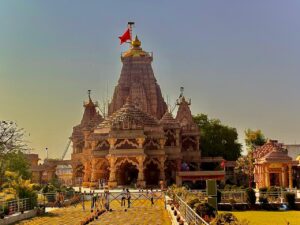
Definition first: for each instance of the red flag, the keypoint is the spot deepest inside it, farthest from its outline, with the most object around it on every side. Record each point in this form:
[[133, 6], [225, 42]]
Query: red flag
[[126, 36]]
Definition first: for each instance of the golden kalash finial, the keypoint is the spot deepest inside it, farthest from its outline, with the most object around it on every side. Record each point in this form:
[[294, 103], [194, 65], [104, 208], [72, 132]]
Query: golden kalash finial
[[136, 43]]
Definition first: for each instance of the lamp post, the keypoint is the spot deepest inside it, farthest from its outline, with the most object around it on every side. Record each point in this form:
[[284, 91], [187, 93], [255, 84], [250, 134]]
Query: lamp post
[[47, 153]]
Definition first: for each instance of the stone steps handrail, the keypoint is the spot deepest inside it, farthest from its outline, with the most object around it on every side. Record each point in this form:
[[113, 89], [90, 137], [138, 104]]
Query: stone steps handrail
[[189, 215]]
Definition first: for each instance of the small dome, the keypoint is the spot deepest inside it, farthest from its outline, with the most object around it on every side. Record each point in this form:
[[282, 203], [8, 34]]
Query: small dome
[[168, 121], [136, 42], [136, 50], [129, 112]]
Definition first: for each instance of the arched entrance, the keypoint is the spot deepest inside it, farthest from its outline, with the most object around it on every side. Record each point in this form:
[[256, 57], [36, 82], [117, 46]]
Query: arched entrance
[[170, 172], [152, 174], [127, 174]]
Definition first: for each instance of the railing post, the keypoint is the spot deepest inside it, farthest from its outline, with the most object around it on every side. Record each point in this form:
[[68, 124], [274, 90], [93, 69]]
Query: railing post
[[18, 205]]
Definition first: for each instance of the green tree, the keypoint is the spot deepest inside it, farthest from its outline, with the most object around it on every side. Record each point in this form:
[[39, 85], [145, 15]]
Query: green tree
[[18, 186], [217, 139], [12, 145], [17, 162], [245, 164], [254, 139]]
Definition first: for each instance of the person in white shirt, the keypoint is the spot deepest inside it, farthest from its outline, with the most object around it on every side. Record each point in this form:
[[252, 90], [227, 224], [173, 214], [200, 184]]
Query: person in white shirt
[[123, 197]]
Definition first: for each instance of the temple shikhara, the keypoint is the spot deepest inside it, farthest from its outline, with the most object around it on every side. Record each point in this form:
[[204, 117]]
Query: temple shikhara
[[139, 141]]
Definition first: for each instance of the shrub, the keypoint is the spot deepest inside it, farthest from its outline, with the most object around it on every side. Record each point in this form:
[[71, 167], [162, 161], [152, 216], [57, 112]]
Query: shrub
[[263, 200], [232, 201], [234, 187], [291, 199], [225, 218], [263, 189], [227, 187], [191, 203], [228, 218], [250, 196], [273, 189], [204, 209]]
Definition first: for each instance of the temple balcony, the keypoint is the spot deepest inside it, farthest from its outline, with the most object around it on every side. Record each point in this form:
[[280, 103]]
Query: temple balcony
[[138, 151], [100, 153], [174, 150]]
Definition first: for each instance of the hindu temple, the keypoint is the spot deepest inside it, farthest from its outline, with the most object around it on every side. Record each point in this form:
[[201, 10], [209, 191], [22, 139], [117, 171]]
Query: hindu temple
[[139, 141]]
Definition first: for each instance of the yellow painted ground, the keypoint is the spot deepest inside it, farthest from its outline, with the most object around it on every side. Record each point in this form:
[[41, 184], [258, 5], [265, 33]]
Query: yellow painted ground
[[269, 217], [141, 213]]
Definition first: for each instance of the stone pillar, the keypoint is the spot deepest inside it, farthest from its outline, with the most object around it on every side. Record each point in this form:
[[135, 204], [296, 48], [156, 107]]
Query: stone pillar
[[178, 161], [283, 176], [140, 142], [85, 134], [141, 182], [177, 137], [267, 176], [262, 176], [94, 171], [290, 176], [93, 144], [112, 142], [162, 160], [162, 142], [112, 167], [87, 172]]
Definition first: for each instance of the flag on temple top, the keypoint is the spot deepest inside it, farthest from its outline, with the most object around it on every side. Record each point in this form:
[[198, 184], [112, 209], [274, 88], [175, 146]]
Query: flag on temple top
[[125, 37]]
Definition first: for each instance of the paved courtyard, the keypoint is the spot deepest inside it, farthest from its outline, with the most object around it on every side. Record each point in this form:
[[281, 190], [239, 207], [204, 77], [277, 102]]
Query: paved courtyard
[[141, 213]]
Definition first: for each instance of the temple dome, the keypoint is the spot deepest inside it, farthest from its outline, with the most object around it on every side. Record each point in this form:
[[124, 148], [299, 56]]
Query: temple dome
[[129, 113], [169, 121]]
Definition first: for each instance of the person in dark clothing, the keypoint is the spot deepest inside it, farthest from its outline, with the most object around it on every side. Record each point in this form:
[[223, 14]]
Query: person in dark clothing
[[128, 198], [152, 197]]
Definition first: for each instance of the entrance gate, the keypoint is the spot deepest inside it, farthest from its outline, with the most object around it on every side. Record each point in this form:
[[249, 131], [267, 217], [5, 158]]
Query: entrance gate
[[138, 199]]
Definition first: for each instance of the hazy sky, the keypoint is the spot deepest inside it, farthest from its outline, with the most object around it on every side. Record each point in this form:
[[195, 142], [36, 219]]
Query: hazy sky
[[238, 61]]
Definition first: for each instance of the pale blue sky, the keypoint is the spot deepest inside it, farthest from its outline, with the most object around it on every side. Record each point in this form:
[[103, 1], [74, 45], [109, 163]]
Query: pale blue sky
[[238, 61]]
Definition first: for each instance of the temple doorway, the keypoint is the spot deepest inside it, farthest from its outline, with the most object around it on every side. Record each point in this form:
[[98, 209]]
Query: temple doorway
[[170, 172], [274, 179], [152, 174], [127, 174]]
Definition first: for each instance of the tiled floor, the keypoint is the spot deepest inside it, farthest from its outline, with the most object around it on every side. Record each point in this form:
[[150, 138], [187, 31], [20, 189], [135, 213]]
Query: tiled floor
[[140, 213]]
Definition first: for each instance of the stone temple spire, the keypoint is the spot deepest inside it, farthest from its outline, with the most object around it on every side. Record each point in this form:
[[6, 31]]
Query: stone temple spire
[[138, 82], [90, 114], [184, 114]]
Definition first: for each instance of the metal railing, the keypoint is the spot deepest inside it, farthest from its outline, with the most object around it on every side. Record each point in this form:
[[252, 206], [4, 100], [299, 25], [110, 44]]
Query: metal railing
[[236, 196], [137, 198], [275, 196], [50, 199], [18, 205], [189, 215]]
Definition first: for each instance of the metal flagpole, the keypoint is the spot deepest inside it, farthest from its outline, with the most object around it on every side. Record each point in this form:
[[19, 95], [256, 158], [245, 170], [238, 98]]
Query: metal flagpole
[[130, 26], [47, 152]]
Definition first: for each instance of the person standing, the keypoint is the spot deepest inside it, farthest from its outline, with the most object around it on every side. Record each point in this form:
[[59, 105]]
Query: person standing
[[106, 195], [123, 197], [128, 198], [92, 201], [83, 200], [152, 197]]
